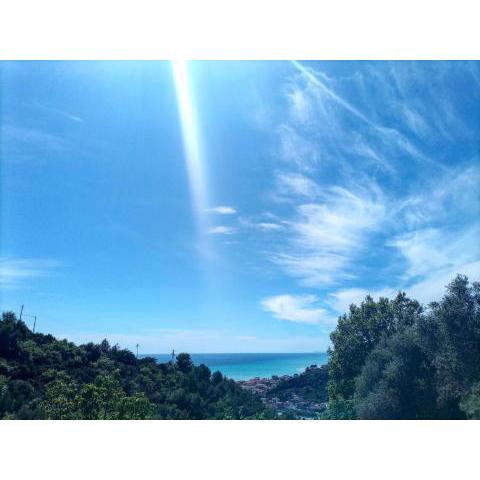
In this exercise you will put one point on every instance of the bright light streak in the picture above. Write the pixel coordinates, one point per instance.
(193, 155)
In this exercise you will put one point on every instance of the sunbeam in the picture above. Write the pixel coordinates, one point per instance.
(191, 143)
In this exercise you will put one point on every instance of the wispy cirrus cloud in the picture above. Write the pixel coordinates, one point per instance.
(51, 110)
(370, 154)
(296, 185)
(222, 230)
(297, 149)
(13, 138)
(16, 272)
(331, 94)
(313, 269)
(296, 308)
(268, 226)
(433, 258)
(325, 237)
(340, 300)
(415, 121)
(430, 251)
(372, 187)
(263, 223)
(430, 288)
(341, 127)
(440, 196)
(222, 210)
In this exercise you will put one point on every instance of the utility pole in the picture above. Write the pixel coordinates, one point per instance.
(173, 356)
(29, 316)
(137, 350)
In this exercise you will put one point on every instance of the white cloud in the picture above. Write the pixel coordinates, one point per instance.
(325, 237)
(259, 225)
(422, 250)
(222, 230)
(296, 184)
(360, 146)
(341, 300)
(15, 137)
(434, 257)
(296, 308)
(348, 122)
(429, 250)
(267, 226)
(333, 112)
(75, 118)
(15, 271)
(440, 195)
(313, 269)
(338, 224)
(414, 120)
(294, 148)
(432, 287)
(56, 111)
(222, 210)
(300, 105)
(327, 92)
(438, 109)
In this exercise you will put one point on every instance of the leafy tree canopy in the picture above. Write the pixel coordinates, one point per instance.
(42, 377)
(395, 359)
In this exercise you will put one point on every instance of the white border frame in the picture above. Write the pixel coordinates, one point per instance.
(221, 29)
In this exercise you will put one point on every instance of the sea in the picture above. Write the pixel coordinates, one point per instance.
(243, 366)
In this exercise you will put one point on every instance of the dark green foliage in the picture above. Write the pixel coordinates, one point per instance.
(471, 402)
(184, 362)
(456, 339)
(392, 360)
(42, 377)
(389, 359)
(396, 381)
(310, 385)
(353, 340)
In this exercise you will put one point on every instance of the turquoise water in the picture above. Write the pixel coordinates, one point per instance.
(242, 366)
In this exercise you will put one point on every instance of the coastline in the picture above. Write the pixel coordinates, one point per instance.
(247, 366)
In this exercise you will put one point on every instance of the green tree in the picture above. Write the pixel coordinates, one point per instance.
(470, 404)
(60, 402)
(456, 344)
(105, 396)
(184, 362)
(396, 381)
(392, 360)
(42, 377)
(136, 407)
(356, 335)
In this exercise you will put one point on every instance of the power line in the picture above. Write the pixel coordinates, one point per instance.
(30, 316)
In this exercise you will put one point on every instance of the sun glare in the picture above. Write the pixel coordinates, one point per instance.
(191, 143)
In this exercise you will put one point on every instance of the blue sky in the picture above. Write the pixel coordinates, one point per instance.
(232, 206)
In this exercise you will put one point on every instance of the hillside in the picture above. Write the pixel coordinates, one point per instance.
(303, 395)
(389, 359)
(310, 385)
(45, 378)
